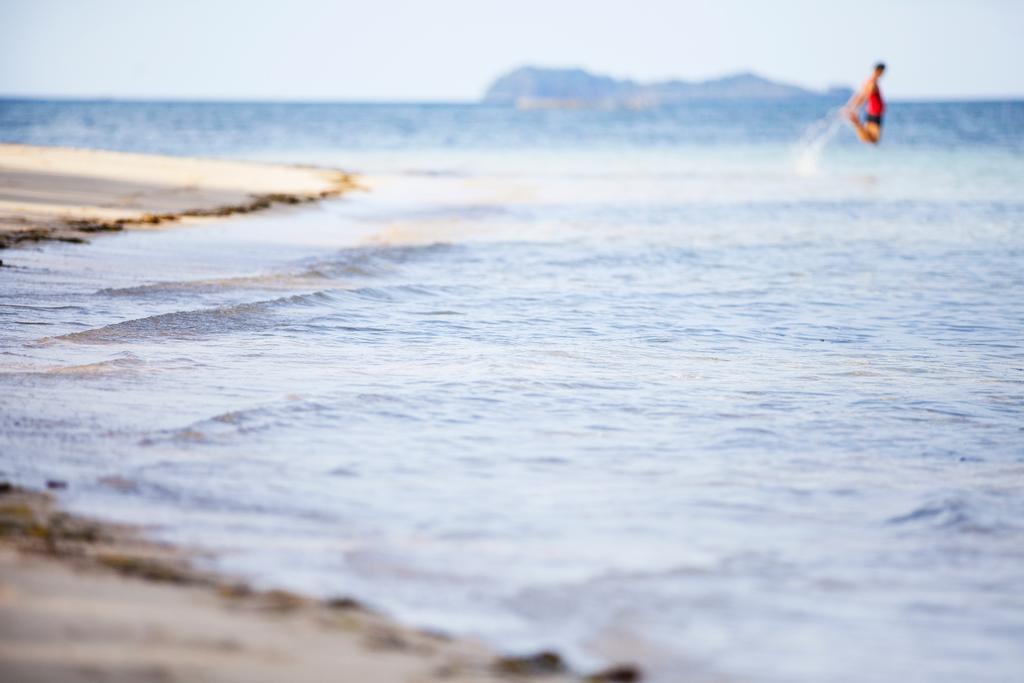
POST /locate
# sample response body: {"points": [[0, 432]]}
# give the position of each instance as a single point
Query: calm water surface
{"points": [[669, 386]]}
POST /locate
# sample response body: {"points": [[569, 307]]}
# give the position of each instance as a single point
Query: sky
{"points": [[450, 50]]}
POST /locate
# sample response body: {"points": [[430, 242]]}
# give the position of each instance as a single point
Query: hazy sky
{"points": [[451, 49]]}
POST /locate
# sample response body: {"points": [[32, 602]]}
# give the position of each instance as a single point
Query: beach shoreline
{"points": [[68, 194], [86, 600]]}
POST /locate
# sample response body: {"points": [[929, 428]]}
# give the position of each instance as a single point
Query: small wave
{"points": [[174, 482], [104, 367], [348, 263], [195, 323], [223, 427], [378, 258], [951, 514], [252, 316], [435, 173], [125, 362], [274, 281], [42, 308]]}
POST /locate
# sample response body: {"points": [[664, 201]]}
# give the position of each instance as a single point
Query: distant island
{"points": [[531, 86]]}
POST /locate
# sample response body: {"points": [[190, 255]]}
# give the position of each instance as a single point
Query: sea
{"points": [[715, 389]]}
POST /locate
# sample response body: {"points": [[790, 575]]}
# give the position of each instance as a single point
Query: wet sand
{"points": [[81, 600], [56, 193]]}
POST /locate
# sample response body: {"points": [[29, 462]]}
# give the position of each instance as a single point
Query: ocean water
{"points": [[714, 389]]}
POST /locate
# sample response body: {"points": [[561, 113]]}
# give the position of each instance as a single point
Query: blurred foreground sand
{"points": [[85, 601], [66, 194]]}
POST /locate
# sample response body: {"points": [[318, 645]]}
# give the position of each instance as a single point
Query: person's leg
{"points": [[874, 132], [862, 132]]}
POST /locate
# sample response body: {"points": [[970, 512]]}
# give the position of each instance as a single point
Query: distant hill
{"points": [[533, 86]]}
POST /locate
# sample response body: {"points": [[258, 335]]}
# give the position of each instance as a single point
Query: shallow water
{"points": [[633, 385]]}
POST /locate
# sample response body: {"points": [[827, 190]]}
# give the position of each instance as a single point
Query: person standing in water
{"points": [[870, 130]]}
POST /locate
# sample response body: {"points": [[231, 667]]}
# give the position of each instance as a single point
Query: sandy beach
{"points": [[82, 600], [56, 193]]}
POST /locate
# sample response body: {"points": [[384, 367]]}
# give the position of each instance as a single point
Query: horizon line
{"points": [[192, 99]]}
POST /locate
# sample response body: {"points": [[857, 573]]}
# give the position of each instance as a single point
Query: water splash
{"points": [[814, 140]]}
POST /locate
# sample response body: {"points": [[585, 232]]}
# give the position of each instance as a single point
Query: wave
{"points": [[251, 316], [291, 412], [126, 361], [194, 323], [129, 361], [360, 262], [223, 428], [42, 308], [950, 514], [273, 281]]}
